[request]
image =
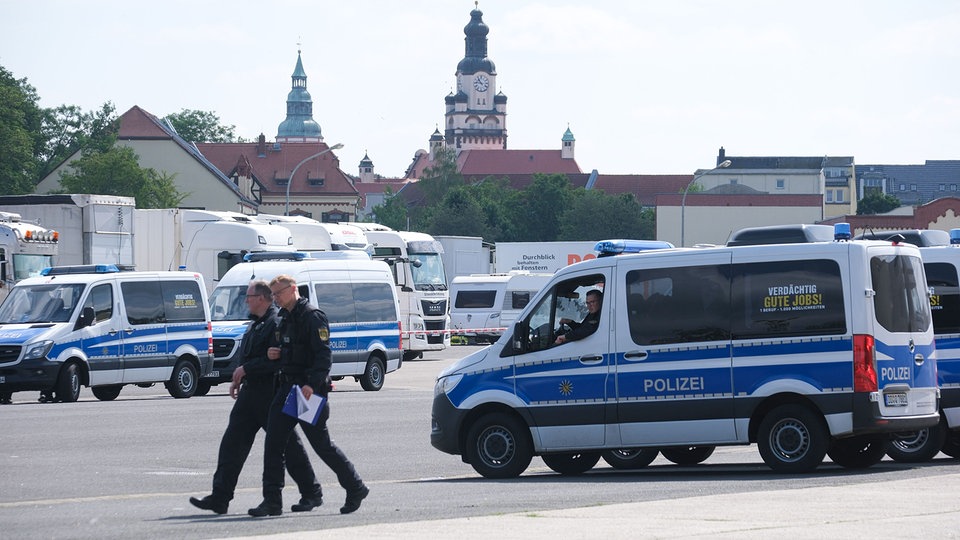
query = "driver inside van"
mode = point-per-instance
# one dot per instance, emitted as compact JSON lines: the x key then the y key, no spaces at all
{"x":589,"y":323}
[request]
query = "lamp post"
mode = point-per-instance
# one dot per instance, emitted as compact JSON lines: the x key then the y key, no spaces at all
{"x":683,"y":201}
{"x":286,"y":210}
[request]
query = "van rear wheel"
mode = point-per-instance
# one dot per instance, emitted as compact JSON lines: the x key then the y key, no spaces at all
{"x":106,"y":393}
{"x":918,"y":446}
{"x":571,"y":463}
{"x":688,"y":455}
{"x":68,"y":384}
{"x":183,"y":382}
{"x":858,"y":452}
{"x":792,"y":439}
{"x":951,"y":444}
{"x":498,"y":446}
{"x":630,"y":458}
{"x":373,"y":375}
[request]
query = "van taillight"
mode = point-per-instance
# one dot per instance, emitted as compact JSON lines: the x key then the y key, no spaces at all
{"x":864,"y":364}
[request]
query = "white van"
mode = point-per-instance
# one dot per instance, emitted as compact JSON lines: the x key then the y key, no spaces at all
{"x":483,"y":305}
{"x":805,"y":349}
{"x":356,"y":294}
{"x":99,"y":327}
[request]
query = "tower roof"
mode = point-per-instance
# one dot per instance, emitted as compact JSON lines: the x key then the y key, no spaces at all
{"x":475,"y":59}
{"x":299,"y":124}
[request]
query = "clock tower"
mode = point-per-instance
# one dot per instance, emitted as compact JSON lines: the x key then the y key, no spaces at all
{"x":476,"y":114}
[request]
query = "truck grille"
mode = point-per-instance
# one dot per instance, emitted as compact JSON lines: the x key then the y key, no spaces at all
{"x":434,"y":309}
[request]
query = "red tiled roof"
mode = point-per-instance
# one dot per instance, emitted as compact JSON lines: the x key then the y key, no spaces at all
{"x":137,"y":123}
{"x":644,"y":187}
{"x":512,"y":162}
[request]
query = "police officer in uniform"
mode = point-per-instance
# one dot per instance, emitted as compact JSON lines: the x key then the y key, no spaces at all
{"x":304,"y":358}
{"x":589,"y":324}
{"x":255,"y":379}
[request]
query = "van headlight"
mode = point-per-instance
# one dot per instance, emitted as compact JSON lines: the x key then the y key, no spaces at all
{"x":38,"y":350}
{"x":446,"y":384}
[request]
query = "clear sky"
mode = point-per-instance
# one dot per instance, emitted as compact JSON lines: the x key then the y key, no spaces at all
{"x":646,"y":87}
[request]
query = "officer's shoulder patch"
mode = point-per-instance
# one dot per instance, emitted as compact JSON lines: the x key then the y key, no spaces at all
{"x":324,"y":333}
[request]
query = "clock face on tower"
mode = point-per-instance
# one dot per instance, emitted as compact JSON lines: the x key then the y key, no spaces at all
{"x":481,"y":83}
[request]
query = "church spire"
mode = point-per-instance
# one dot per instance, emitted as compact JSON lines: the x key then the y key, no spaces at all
{"x":299,"y":125}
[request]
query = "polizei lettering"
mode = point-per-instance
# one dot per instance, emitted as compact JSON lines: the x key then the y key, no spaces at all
{"x":673,"y":384}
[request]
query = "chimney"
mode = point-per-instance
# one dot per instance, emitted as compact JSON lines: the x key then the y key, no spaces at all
{"x":722,"y":157}
{"x":261,"y":146}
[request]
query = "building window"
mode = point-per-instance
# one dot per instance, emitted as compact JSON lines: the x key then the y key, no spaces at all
{"x":943,"y":187}
{"x":733,"y":182}
{"x":903,"y":187}
{"x":913,"y":187}
{"x":781,"y":183}
{"x":281,"y":181}
{"x":953,"y":187}
{"x":315,"y":181}
{"x":829,"y":195}
{"x":839,"y":195}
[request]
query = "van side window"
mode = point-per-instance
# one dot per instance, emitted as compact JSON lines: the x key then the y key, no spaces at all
{"x":678,"y":305}
{"x":143,"y":301}
{"x":787,"y":299}
{"x":945,"y":302}
{"x":182,"y":301}
{"x":567,"y":299}
{"x":336,"y":302}
{"x":375,"y":302}
{"x":101,"y":300}
{"x":516,"y":299}
{"x":900,"y":305}
{"x":475,"y":299}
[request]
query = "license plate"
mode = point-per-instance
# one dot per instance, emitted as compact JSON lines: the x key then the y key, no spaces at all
{"x":895,"y":399}
{"x":212,"y":374}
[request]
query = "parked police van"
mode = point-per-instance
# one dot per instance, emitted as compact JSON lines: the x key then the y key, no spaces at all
{"x":356,"y":293}
{"x":483,"y":305}
{"x":805,"y":349}
{"x":97,"y":326}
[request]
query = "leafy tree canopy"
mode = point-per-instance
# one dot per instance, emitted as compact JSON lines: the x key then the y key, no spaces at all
{"x":117,"y":172}
{"x":19,"y":126}
{"x":875,"y":202}
{"x":201,"y":127}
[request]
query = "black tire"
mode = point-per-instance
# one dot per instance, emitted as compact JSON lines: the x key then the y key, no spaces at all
{"x":68,"y":384}
{"x":498,"y":446}
{"x":571,"y":463}
{"x":106,"y":393}
{"x":203,"y":388}
{"x":858,"y":452}
{"x":951,"y":444}
{"x":918,"y":446}
{"x":411,"y":355}
{"x":373,"y":375}
{"x":183,"y":382}
{"x":688,"y":455}
{"x":793,"y":439}
{"x":630,"y":458}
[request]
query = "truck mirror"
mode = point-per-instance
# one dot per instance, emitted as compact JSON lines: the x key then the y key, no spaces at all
{"x":85,"y":319}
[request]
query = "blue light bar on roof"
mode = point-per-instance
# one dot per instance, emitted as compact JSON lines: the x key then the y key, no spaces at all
{"x":276,"y":256}
{"x":79,"y":269}
{"x":954,"y":237}
{"x":841,"y":231}
{"x":607,"y":248}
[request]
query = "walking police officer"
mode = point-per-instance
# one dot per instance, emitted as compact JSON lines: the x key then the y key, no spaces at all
{"x":255,"y":379}
{"x":304,"y":355}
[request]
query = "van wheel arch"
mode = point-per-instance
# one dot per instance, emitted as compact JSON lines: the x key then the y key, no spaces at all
{"x":374,"y":373}
{"x":771,"y":403}
{"x":72,"y":377}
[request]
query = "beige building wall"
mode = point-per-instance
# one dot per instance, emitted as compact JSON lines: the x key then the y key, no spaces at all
{"x":715,"y":224}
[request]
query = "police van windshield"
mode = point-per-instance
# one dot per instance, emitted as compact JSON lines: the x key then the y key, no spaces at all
{"x":40,"y":303}
{"x":228,"y":303}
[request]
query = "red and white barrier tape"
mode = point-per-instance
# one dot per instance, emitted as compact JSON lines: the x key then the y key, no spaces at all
{"x":454,"y":331}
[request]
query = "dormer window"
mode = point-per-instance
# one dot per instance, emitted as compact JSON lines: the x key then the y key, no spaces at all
{"x":315,"y":181}
{"x":281,"y":181}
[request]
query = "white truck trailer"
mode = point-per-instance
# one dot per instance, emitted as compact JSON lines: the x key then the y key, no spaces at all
{"x":25,"y":250}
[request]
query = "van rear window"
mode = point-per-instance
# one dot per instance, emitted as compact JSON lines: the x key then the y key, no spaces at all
{"x":945,"y":301}
{"x":182,"y":301}
{"x":900,"y":301}
{"x":475,"y":299}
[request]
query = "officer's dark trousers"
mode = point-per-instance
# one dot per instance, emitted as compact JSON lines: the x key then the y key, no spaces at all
{"x":249,"y":415}
{"x":279,"y":428}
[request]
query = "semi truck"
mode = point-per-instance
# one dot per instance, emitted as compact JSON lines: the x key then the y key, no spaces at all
{"x":25,"y":250}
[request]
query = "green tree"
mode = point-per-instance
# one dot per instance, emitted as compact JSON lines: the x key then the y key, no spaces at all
{"x":433,"y":186}
{"x":19,"y":126}
{"x":117,"y":172}
{"x":536,"y":210}
{"x":460,"y":214}
{"x":875,"y":202}
{"x":392,"y":213}
{"x":201,"y":127}
{"x":67,"y":129}
{"x":622,"y":217}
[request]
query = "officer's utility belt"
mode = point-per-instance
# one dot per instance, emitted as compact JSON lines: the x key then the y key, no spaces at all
{"x":292,"y":378}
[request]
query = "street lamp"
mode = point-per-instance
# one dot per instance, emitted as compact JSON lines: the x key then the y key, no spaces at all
{"x":683,"y":201}
{"x":286,"y":210}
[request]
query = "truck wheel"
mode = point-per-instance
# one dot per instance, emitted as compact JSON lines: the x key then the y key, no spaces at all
{"x":411,"y":355}
{"x":373,"y":375}
{"x":68,"y":384}
{"x":499,"y":446}
{"x":690,"y":455}
{"x":858,"y":452}
{"x":951,"y":444}
{"x":106,"y":393}
{"x":630,"y":458}
{"x":918,"y":446}
{"x":183,"y":382}
{"x":203,"y":388}
{"x":571,"y":463}
{"x":792,"y":439}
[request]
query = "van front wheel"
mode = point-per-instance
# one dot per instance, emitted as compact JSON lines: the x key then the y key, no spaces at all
{"x":373,"y":375}
{"x":68,"y":384}
{"x":183,"y":382}
{"x":792,"y":439}
{"x":499,"y":446}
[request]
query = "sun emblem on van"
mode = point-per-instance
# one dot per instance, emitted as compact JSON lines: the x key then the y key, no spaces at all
{"x":566,"y":387}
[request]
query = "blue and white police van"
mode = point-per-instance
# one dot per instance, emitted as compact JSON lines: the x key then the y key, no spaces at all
{"x":100,"y":327}
{"x":807,"y":350}
{"x":356,"y":293}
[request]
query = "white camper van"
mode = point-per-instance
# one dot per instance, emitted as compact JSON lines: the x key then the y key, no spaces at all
{"x":806,"y":350}
{"x":483,"y":305}
{"x":356,"y":294}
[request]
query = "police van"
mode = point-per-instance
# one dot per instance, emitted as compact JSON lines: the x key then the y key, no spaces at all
{"x":100,"y":327}
{"x":806,"y":350}
{"x":356,"y":293}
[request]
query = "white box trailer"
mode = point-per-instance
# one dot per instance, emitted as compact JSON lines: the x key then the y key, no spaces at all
{"x":465,"y":255}
{"x":483,"y":306}
{"x":541,"y":257}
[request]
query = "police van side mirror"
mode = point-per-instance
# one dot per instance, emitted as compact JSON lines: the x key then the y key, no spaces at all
{"x":85,"y":319}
